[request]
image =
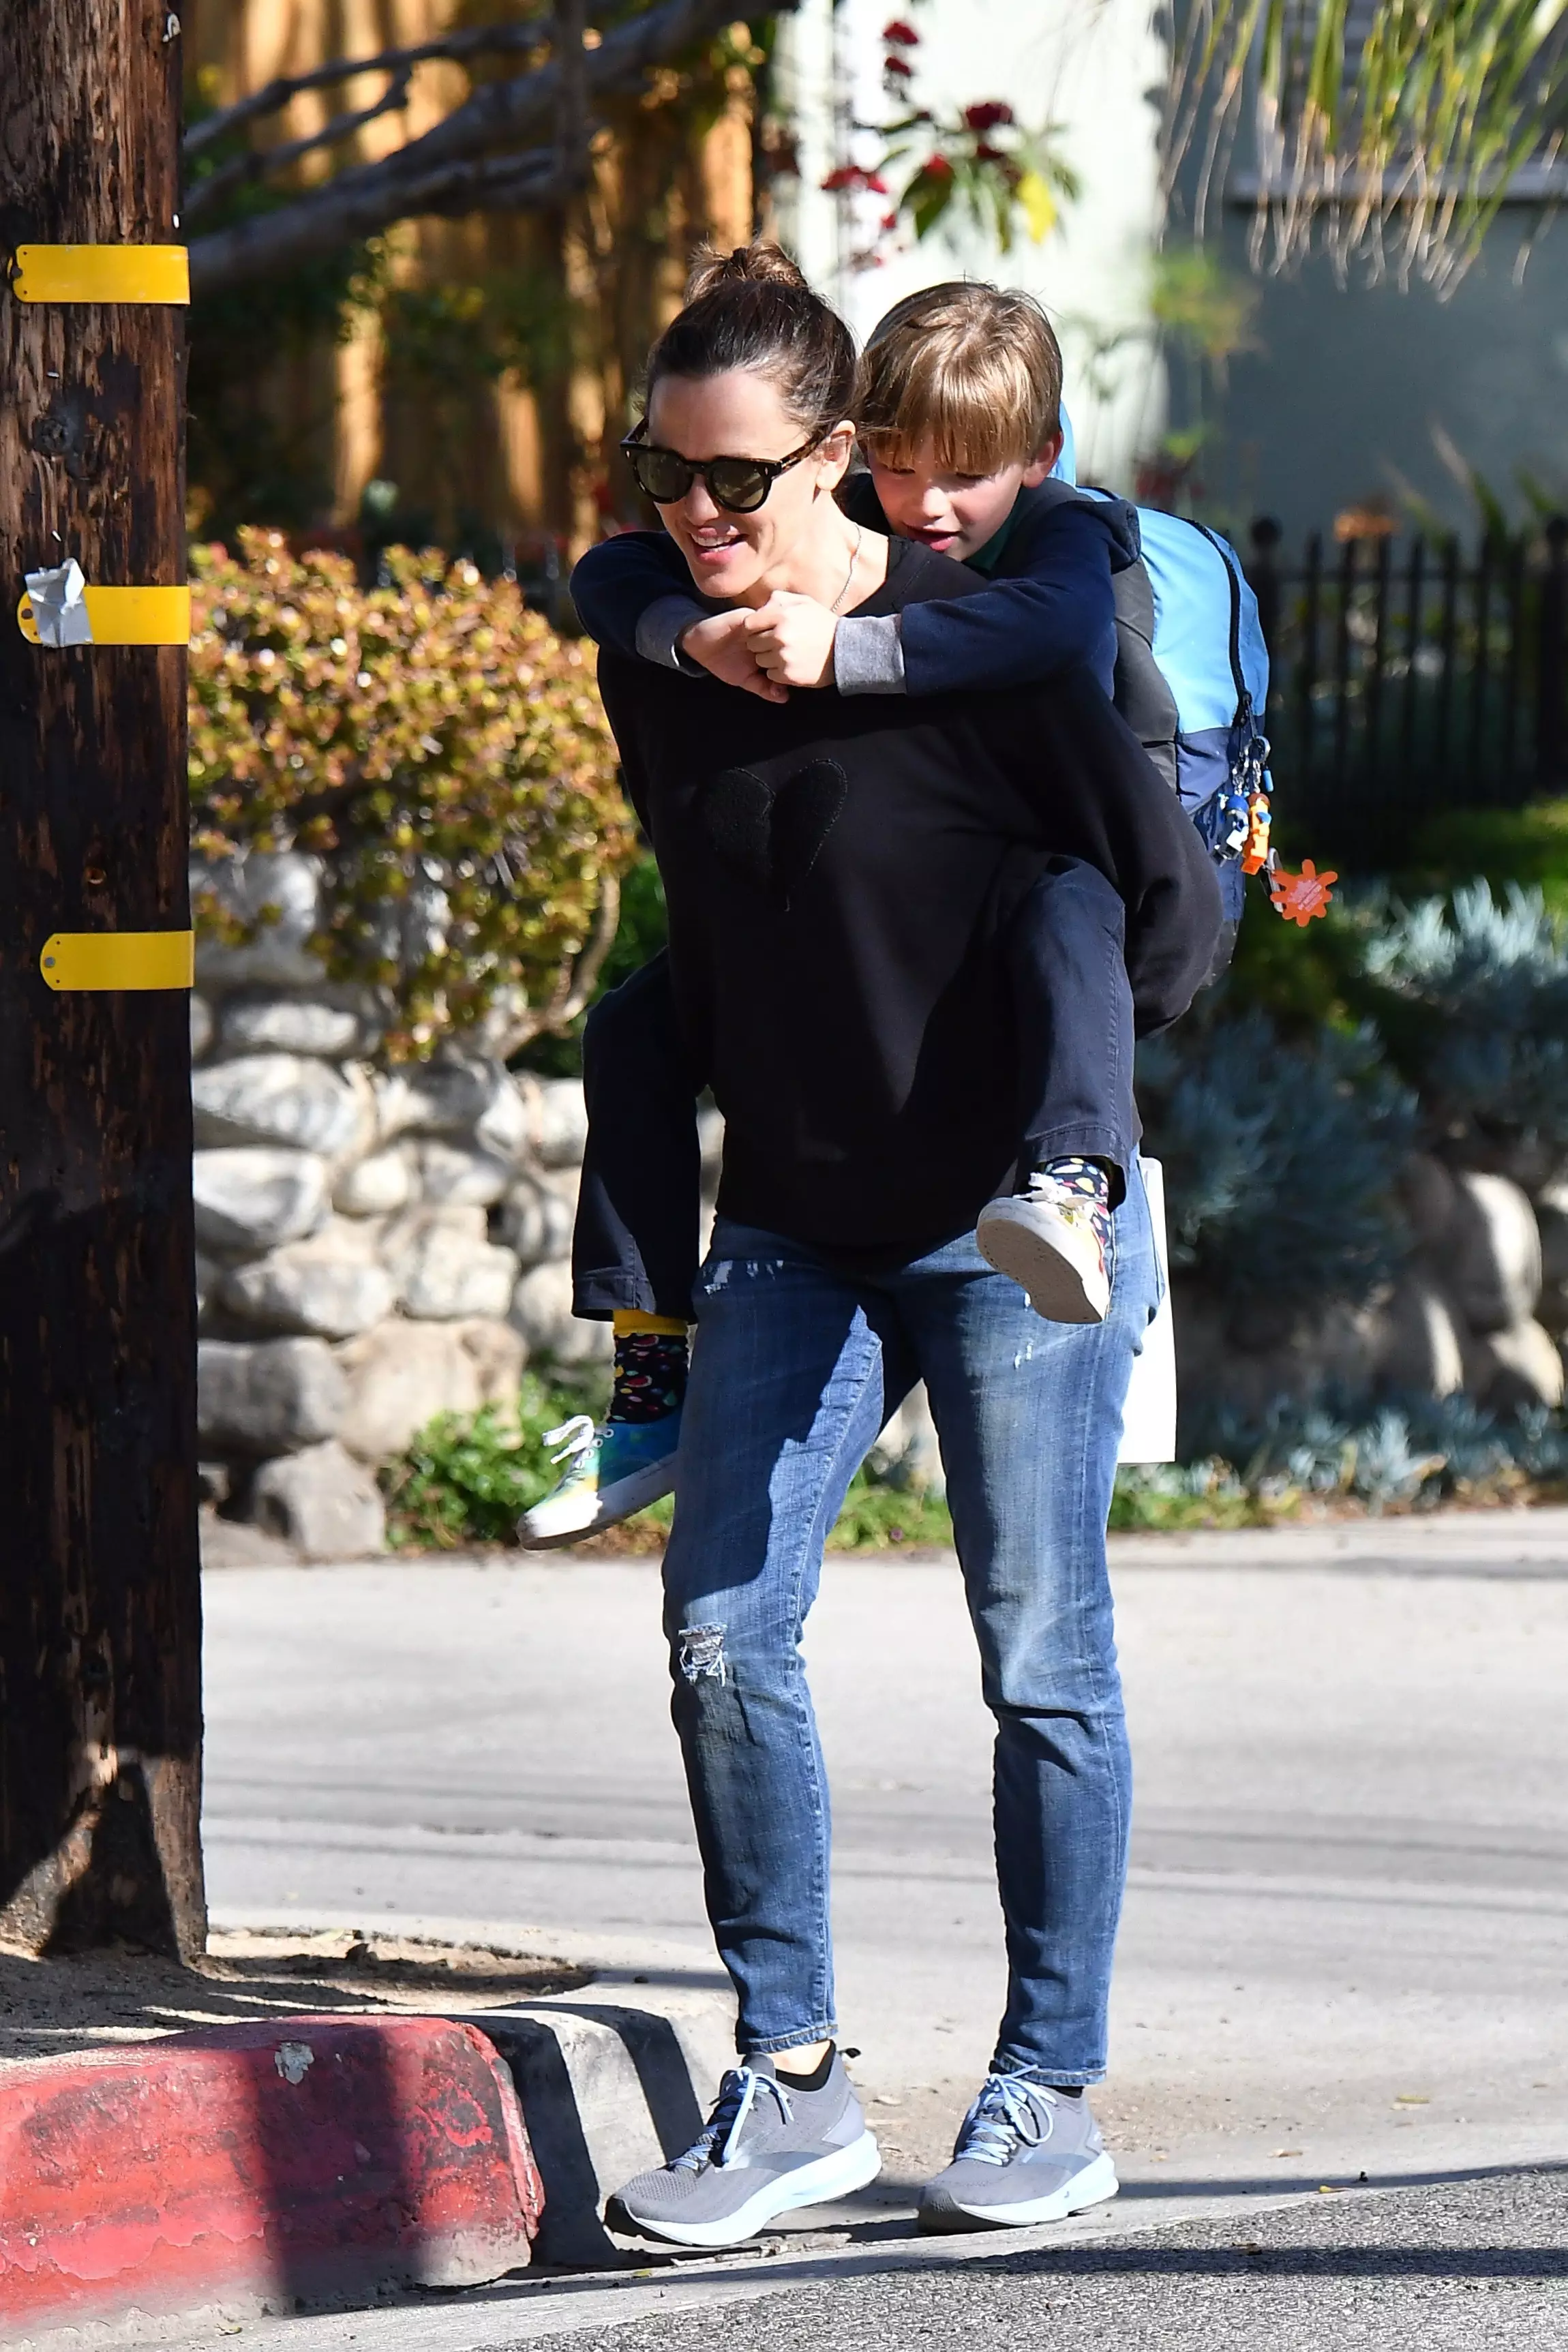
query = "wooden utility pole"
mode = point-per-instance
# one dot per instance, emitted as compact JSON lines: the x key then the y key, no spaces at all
{"x":99,"y":1600}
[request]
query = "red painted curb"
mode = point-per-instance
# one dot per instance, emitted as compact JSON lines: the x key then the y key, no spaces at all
{"x":316,"y":2157}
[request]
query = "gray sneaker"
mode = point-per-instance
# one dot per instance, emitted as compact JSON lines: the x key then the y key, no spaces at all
{"x":769,"y":2147}
{"x":1024,"y":2154}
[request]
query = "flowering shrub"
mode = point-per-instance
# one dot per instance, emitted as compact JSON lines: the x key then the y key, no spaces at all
{"x":980,"y":160}
{"x":445,"y":756}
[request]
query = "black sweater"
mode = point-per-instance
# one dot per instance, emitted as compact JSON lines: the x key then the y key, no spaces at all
{"x":838,"y":870}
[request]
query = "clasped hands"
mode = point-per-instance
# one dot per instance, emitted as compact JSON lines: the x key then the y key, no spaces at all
{"x":786,"y":641}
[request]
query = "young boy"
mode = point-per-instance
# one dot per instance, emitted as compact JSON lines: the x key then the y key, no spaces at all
{"x":959,"y":416}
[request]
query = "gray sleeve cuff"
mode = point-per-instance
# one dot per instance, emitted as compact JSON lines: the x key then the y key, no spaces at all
{"x":868,"y":655}
{"x":659,"y":630}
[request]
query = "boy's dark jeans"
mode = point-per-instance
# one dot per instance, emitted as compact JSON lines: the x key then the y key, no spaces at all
{"x":635,"y":1243}
{"x":639,"y":1207}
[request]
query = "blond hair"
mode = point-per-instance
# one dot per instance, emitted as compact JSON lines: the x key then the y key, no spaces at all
{"x":974,"y":369}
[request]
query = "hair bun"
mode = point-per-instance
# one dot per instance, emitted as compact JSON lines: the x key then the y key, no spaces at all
{"x":744,"y":264}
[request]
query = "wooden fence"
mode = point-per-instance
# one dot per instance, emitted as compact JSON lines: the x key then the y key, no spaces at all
{"x":1412,"y":675}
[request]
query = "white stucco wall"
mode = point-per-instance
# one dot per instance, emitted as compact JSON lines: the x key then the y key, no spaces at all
{"x":1086,"y":64}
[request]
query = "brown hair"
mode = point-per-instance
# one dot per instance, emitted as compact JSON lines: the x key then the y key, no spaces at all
{"x":974,"y":368}
{"x":752,"y":309}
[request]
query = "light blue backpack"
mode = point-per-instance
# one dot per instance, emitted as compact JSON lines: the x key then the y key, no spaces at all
{"x":1192,"y":680}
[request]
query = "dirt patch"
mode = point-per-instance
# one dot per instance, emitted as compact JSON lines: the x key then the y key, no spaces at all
{"x":82,"y":2000}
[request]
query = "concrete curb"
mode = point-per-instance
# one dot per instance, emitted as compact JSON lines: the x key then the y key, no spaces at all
{"x":611,"y":2079}
{"x":318,"y":2156}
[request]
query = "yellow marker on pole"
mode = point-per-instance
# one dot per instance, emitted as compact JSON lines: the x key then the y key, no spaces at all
{"x":119,"y":960}
{"x":103,"y":273}
{"x":122,"y":616}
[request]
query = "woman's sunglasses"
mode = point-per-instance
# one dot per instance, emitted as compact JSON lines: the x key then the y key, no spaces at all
{"x":739,"y":484}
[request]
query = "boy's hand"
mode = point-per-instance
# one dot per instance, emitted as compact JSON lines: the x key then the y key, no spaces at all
{"x":723,"y":646}
{"x":792,"y":638}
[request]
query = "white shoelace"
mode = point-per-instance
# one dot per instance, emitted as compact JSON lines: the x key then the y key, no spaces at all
{"x":721,"y":2138}
{"x":1010,"y":2112}
{"x":574,"y":1437}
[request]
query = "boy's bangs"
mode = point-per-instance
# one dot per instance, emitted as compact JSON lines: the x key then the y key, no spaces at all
{"x":972,"y":425}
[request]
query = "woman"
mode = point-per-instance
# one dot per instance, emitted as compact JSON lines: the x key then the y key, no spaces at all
{"x":838,"y":873}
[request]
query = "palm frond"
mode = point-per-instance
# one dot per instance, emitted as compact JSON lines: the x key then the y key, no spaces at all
{"x":1389,"y":133}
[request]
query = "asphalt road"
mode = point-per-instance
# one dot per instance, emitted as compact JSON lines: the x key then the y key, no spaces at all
{"x":1346,"y":1942}
{"x":1478,"y":2264}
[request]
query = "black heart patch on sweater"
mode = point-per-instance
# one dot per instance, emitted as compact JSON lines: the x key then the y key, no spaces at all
{"x":772,"y":834}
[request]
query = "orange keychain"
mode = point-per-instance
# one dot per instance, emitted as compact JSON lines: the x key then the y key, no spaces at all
{"x":1255,"y":848}
{"x":1299,"y":897}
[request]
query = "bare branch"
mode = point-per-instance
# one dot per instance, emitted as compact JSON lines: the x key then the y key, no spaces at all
{"x":502,"y":115}
{"x":497,"y":183}
{"x":482,"y":40}
{"x":574,"y":983}
{"x":262,"y":162}
{"x":572,"y":116}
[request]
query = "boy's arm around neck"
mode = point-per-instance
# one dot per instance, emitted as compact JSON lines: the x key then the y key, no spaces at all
{"x":1055,"y":612}
{"x":635,"y":592}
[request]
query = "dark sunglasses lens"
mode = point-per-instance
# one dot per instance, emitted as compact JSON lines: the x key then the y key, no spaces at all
{"x":661,"y":475}
{"x":739,"y":488}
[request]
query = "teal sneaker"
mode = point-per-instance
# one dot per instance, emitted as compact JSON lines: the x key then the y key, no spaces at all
{"x":612,"y":1470}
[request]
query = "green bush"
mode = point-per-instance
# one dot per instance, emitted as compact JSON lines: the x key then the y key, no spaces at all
{"x":1474,"y":1010}
{"x":1387,"y":1453}
{"x":1281,"y":1161}
{"x":1528,"y":845}
{"x":469,"y":1477}
{"x":466,"y":1481}
{"x":1285,"y":1104}
{"x":440,"y":751}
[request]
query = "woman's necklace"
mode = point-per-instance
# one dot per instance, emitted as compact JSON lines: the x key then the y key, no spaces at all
{"x":837,"y":602}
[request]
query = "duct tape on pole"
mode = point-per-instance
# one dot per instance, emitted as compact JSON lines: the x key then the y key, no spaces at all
{"x":61,"y":608}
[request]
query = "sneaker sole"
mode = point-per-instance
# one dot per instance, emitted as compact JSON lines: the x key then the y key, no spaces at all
{"x":1092,"y":2186}
{"x":583,"y":1515}
{"x":812,"y":2184}
{"x":1056,"y":1288}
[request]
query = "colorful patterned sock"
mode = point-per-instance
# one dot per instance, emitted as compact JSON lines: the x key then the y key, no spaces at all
{"x":1083,"y":1185}
{"x":651,"y":1363}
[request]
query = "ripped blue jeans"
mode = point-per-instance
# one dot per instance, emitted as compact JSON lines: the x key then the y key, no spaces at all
{"x":797,"y":1366}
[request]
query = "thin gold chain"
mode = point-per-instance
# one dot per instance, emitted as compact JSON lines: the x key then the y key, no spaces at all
{"x":837,"y":602}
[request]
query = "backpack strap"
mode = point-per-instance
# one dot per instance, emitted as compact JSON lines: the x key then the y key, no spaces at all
{"x":1249,"y":746}
{"x":1143,"y":693}
{"x":1243,"y":692}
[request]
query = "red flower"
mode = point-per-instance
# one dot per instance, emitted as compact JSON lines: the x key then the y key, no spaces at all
{"x":904,"y":36}
{"x":850,"y":177}
{"x":989,"y":116}
{"x":898,"y":68}
{"x":939,"y":168}
{"x":889,"y":220}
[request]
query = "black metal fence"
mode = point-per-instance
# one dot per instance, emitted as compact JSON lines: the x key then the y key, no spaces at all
{"x":1409,"y":677}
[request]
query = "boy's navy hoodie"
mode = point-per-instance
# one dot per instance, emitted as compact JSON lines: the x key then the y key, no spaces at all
{"x":1056,"y":553}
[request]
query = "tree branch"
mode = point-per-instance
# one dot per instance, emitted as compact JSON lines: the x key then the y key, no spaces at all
{"x":480,"y":40}
{"x":572,"y":115}
{"x":201,"y":195}
{"x":428,"y":174}
{"x":574,"y":983}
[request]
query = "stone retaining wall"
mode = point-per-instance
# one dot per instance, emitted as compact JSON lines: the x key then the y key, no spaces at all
{"x":373,"y":1248}
{"x":376,"y":1246}
{"x":1480,"y":1307}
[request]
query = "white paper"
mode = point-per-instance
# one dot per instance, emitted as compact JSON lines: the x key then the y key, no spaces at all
{"x":58,"y":599}
{"x":1148,"y":1416}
